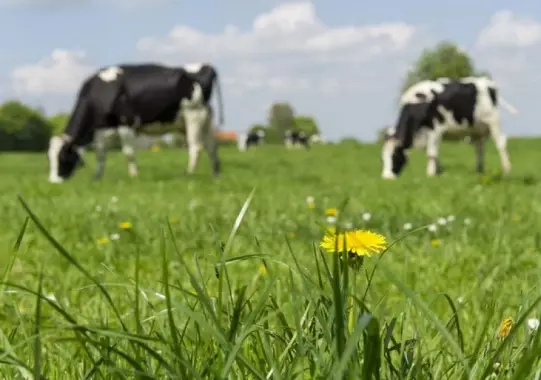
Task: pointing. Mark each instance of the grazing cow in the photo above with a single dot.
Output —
(296, 139)
(252, 138)
(120, 99)
(430, 108)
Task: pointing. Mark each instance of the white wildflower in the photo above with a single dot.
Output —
(348, 225)
(51, 297)
(367, 216)
(451, 218)
(533, 324)
(115, 236)
(408, 226)
(460, 300)
(442, 221)
(432, 228)
(331, 219)
(310, 200)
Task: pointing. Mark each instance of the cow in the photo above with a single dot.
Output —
(120, 99)
(295, 139)
(430, 108)
(250, 139)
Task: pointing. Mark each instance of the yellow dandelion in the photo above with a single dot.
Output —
(516, 218)
(262, 270)
(505, 327)
(103, 240)
(435, 242)
(357, 242)
(125, 225)
(155, 148)
(331, 212)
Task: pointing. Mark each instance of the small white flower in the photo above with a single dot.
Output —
(442, 221)
(331, 219)
(460, 300)
(310, 200)
(408, 226)
(467, 221)
(115, 236)
(533, 324)
(367, 216)
(348, 225)
(451, 218)
(432, 228)
(114, 199)
(98, 208)
(51, 297)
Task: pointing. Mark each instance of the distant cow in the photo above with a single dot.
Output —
(120, 99)
(251, 139)
(430, 108)
(296, 138)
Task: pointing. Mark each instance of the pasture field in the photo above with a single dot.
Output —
(181, 291)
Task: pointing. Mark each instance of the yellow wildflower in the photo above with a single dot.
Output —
(103, 240)
(435, 242)
(125, 225)
(357, 242)
(516, 218)
(262, 270)
(505, 327)
(331, 212)
(155, 148)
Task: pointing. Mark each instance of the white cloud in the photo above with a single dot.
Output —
(507, 29)
(60, 73)
(284, 47)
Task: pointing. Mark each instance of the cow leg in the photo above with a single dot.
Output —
(127, 140)
(195, 120)
(211, 145)
(101, 153)
(501, 144)
(432, 151)
(480, 154)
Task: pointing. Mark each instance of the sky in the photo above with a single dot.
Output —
(340, 61)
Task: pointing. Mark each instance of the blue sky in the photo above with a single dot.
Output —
(340, 61)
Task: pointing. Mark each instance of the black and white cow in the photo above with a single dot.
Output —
(120, 99)
(430, 108)
(296, 139)
(251, 139)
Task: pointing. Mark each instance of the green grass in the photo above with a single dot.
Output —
(182, 295)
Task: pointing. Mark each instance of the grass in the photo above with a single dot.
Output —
(226, 280)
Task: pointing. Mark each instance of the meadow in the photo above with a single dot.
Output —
(166, 276)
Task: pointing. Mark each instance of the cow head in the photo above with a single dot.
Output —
(64, 158)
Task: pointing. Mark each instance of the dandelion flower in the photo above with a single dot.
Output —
(103, 240)
(435, 242)
(125, 225)
(357, 243)
(533, 324)
(505, 327)
(331, 212)
(432, 228)
(262, 270)
(367, 216)
(408, 226)
(115, 236)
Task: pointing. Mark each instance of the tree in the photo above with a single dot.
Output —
(446, 59)
(23, 128)
(59, 122)
(281, 117)
(307, 124)
(257, 127)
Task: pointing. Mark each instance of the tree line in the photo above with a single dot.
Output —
(24, 128)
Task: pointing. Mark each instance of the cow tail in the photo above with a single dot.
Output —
(508, 106)
(221, 119)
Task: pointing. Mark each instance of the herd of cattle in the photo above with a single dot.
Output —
(120, 99)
